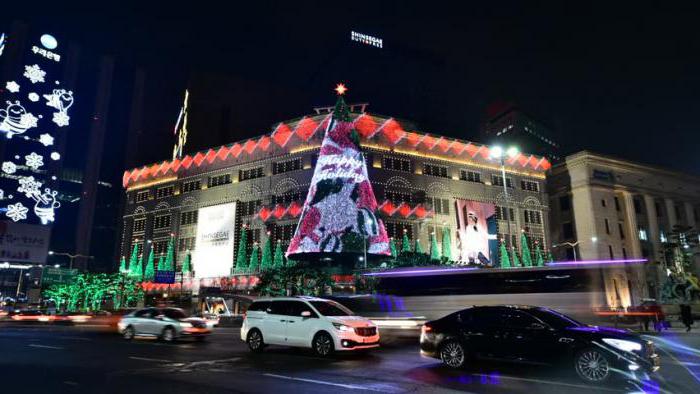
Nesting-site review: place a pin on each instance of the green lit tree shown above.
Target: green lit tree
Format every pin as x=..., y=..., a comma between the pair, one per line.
x=526, y=256
x=254, y=262
x=122, y=264
x=550, y=258
x=446, y=245
x=241, y=259
x=150, y=273
x=405, y=243
x=136, y=270
x=434, y=249
x=392, y=248
x=161, y=263
x=539, y=261
x=278, y=261
x=134, y=259
x=170, y=255
x=418, y=249
x=266, y=258
x=503, y=252
x=514, y=255
x=187, y=264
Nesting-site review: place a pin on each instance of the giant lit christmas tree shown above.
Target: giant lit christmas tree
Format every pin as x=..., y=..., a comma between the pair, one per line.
x=339, y=212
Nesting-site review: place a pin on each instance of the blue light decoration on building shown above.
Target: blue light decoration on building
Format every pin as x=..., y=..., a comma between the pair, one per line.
x=34, y=110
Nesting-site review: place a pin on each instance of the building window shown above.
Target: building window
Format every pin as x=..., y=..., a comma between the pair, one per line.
x=532, y=217
x=396, y=164
x=470, y=176
x=286, y=198
x=159, y=247
x=143, y=196
x=219, y=180
x=287, y=166
x=191, y=186
x=504, y=214
x=612, y=256
x=161, y=222
x=497, y=180
x=396, y=230
x=564, y=203
x=189, y=217
x=249, y=208
x=617, y=204
x=622, y=233
x=251, y=173
x=166, y=191
x=435, y=170
x=607, y=226
x=530, y=186
x=253, y=238
x=185, y=244
x=440, y=205
x=567, y=230
x=643, y=234
x=659, y=210
x=637, y=206
x=139, y=225
x=510, y=241
x=397, y=197
x=284, y=233
x=602, y=202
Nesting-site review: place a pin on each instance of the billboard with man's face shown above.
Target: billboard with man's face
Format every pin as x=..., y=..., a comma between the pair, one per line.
x=476, y=231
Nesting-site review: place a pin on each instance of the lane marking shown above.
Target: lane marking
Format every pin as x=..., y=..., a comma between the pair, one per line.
x=156, y=360
x=45, y=346
x=323, y=382
x=551, y=382
x=77, y=338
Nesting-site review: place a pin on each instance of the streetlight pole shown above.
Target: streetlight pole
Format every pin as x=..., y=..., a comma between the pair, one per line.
x=573, y=245
x=498, y=153
x=70, y=256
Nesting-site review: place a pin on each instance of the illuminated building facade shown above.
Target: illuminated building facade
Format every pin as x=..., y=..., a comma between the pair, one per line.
x=419, y=180
x=618, y=209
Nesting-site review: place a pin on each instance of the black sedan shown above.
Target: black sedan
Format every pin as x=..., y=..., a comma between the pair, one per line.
x=536, y=335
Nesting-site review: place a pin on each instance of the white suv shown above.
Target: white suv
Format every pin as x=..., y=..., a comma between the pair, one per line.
x=323, y=325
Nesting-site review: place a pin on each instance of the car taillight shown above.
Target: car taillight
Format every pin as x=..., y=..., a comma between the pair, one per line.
x=426, y=328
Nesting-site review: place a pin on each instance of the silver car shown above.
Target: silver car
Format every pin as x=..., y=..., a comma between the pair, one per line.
x=167, y=324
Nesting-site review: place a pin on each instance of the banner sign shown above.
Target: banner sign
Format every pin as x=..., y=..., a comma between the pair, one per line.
x=57, y=276
x=26, y=243
x=213, y=253
x=167, y=277
x=475, y=229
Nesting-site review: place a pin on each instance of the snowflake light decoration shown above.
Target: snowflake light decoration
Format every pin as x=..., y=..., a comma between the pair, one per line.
x=61, y=119
x=12, y=87
x=34, y=73
x=9, y=167
x=29, y=186
x=33, y=97
x=34, y=160
x=17, y=212
x=46, y=139
x=55, y=156
x=29, y=119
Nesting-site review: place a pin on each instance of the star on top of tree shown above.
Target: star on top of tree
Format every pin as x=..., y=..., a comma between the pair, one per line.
x=340, y=89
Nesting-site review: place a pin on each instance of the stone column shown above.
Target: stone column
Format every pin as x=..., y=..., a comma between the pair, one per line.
x=652, y=219
x=671, y=213
x=689, y=214
x=632, y=227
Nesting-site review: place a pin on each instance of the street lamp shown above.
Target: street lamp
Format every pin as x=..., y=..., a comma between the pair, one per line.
x=70, y=256
x=573, y=245
x=498, y=153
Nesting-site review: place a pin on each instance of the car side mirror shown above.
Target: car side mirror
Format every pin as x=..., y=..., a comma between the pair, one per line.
x=306, y=314
x=537, y=326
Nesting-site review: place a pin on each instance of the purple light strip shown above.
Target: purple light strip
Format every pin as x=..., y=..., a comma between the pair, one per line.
x=597, y=262
x=427, y=271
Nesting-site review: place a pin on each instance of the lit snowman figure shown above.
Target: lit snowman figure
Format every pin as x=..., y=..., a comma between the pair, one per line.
x=14, y=119
x=45, y=206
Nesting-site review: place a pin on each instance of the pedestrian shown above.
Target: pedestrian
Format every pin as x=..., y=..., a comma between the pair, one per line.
x=686, y=316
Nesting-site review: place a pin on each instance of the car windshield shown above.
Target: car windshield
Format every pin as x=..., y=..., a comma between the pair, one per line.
x=554, y=319
x=176, y=314
x=330, y=308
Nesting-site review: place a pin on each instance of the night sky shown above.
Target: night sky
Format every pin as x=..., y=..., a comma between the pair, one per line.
x=620, y=79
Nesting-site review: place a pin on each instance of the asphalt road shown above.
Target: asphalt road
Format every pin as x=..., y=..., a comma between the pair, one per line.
x=58, y=359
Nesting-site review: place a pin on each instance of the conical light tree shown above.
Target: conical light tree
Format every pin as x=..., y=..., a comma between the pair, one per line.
x=161, y=263
x=150, y=273
x=550, y=258
x=503, y=252
x=339, y=211
x=434, y=249
x=122, y=265
x=187, y=263
x=133, y=260
x=405, y=243
x=137, y=269
x=170, y=255
x=418, y=248
x=526, y=256
x=446, y=245
x=392, y=247
x=278, y=261
x=254, y=263
x=539, y=261
x=266, y=258
x=514, y=255
x=241, y=260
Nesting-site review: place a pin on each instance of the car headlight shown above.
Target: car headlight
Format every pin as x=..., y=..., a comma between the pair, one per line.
x=628, y=346
x=186, y=325
x=342, y=327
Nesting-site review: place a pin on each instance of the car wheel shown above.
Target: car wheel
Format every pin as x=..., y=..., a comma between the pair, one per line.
x=129, y=333
x=323, y=344
x=255, y=341
x=452, y=354
x=168, y=334
x=592, y=366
